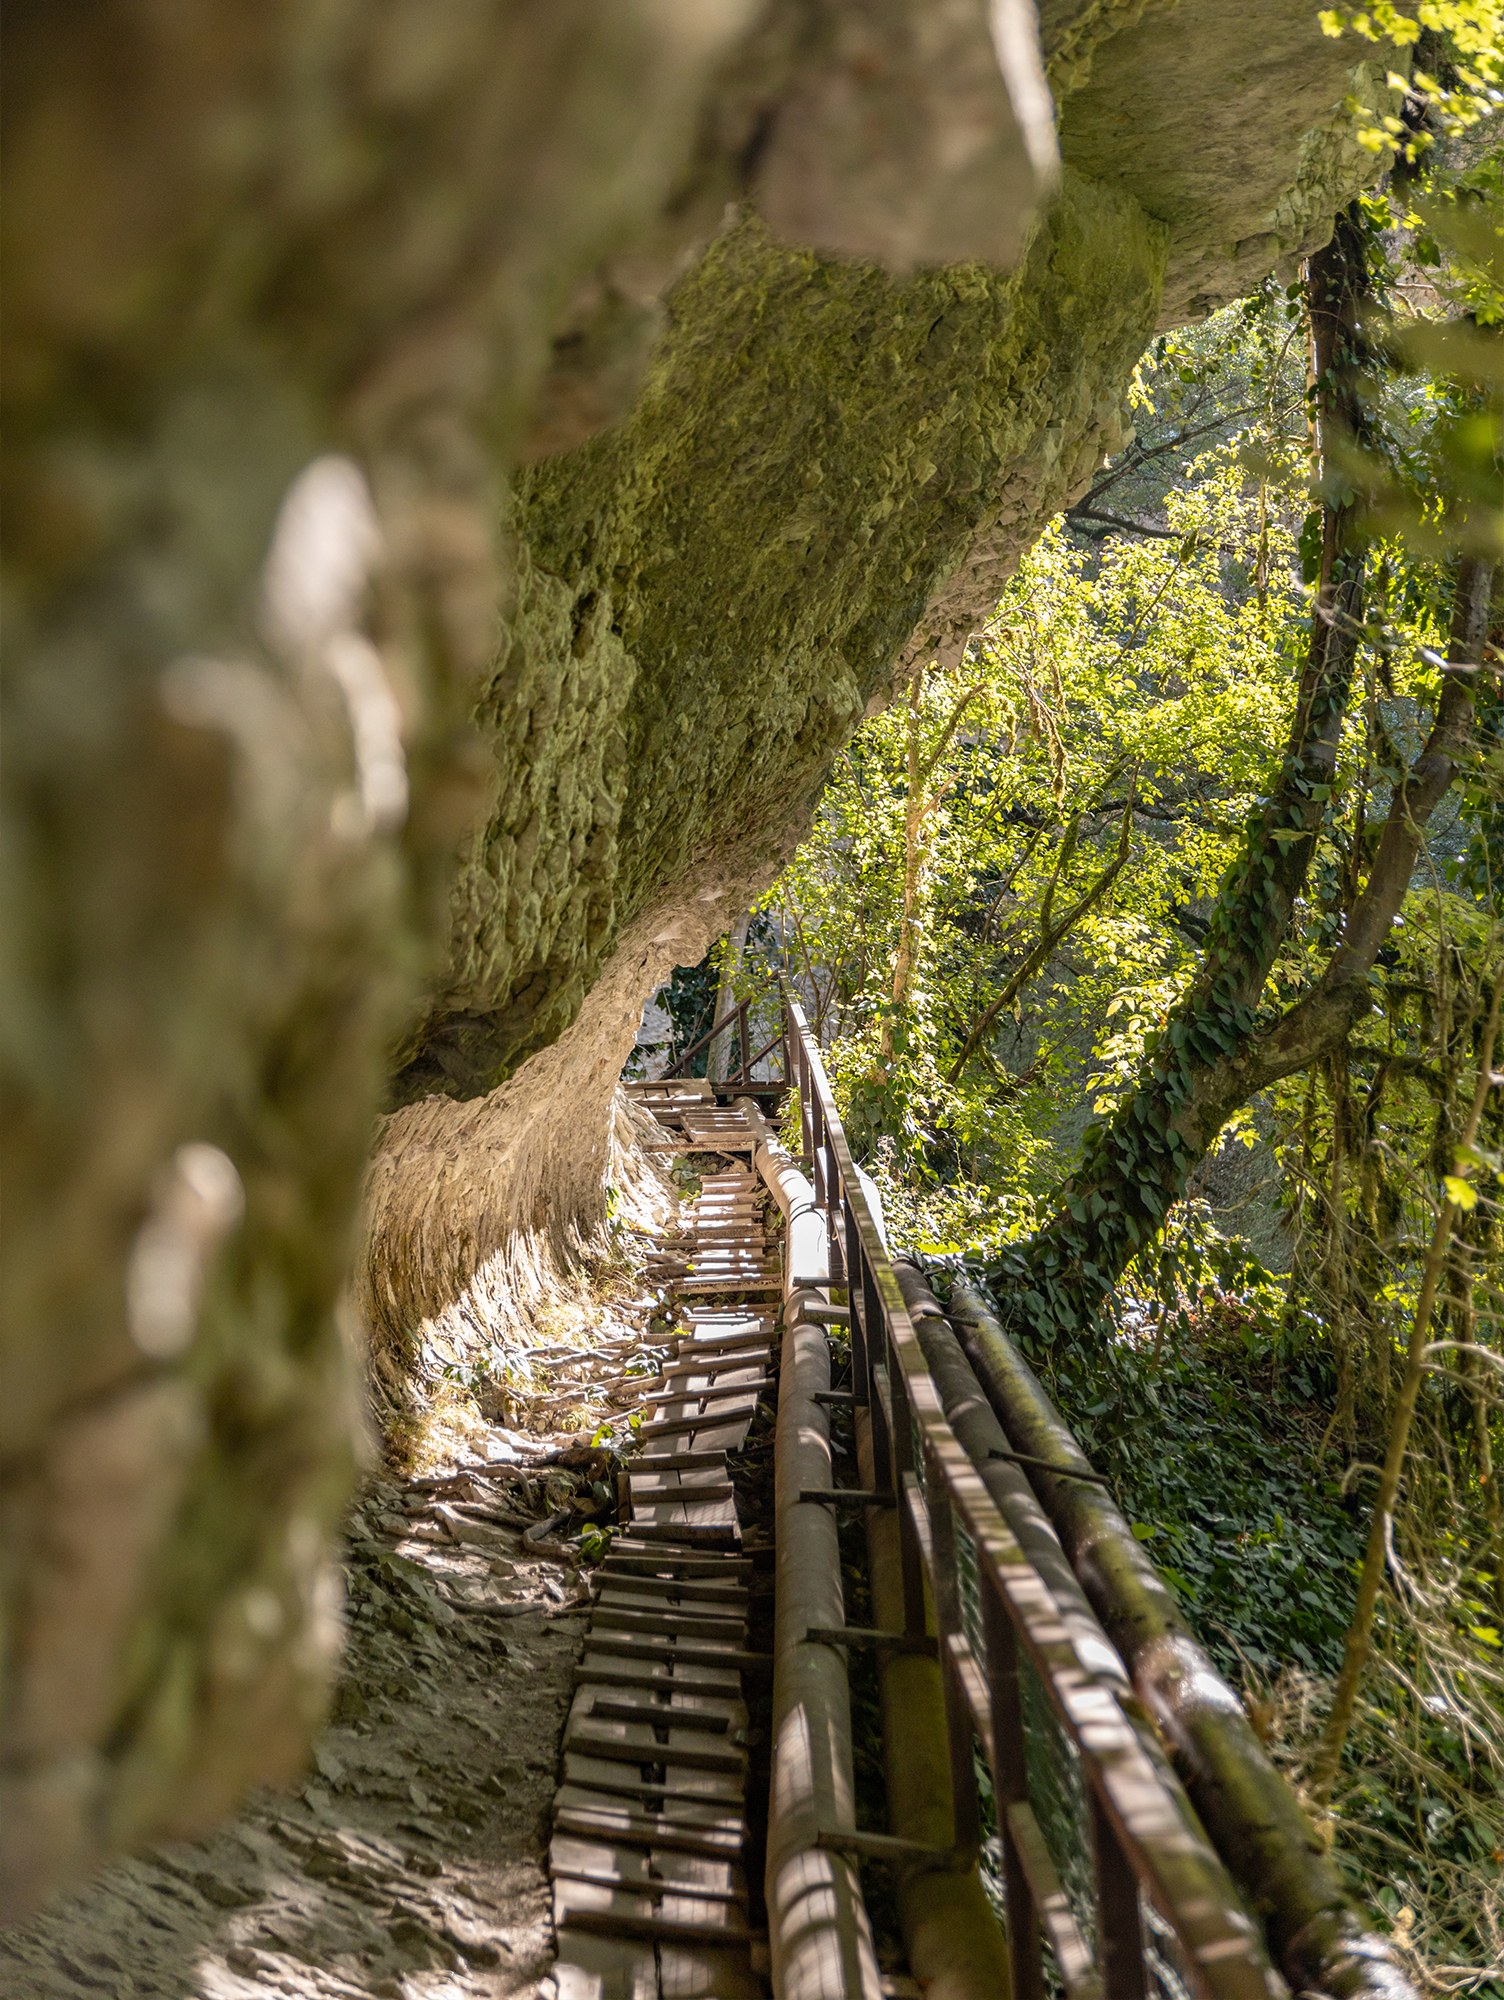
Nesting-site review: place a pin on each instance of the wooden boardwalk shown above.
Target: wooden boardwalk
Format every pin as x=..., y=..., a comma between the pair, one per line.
x=648, y=1855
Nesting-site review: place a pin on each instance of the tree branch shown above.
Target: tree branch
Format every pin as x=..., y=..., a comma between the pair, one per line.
x=1049, y=938
x=1084, y=513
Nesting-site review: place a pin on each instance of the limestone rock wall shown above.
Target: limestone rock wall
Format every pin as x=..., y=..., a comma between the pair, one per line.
x=282, y=284
x=309, y=710
x=828, y=476
x=710, y=595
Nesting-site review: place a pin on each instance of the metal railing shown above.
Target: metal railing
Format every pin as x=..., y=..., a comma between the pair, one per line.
x=1147, y=1848
x=738, y=1018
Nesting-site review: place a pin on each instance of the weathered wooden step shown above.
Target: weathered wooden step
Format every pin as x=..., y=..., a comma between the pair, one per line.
x=607, y=1671
x=684, y=1653
x=691, y=1829
x=613, y=1617
x=638, y=1556
x=711, y=1423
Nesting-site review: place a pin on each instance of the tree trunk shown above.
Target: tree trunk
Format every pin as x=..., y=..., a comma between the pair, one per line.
x=718, y=1065
x=1212, y=1057
x=1360, y=1631
x=914, y=816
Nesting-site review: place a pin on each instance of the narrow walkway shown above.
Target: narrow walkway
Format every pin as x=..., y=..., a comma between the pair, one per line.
x=651, y=1822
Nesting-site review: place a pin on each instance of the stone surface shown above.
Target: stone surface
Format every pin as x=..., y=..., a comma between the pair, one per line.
x=287, y=297
x=282, y=291
x=411, y=1859
x=709, y=596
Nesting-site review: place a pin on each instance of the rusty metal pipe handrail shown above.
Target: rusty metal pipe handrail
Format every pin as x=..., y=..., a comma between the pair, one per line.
x=955, y=1946
x=1319, y=1937
x=1143, y=1839
x=819, y=1931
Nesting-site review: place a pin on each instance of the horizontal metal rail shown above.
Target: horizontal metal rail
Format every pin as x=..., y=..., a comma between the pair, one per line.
x=1146, y=1841
x=738, y=1018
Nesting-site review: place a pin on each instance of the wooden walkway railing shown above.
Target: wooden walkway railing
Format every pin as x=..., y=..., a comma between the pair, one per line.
x=1148, y=1848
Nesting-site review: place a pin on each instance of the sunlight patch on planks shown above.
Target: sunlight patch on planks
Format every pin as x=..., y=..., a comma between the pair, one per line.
x=650, y=1823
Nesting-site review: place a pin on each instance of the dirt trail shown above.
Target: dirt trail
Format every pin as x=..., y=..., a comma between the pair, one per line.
x=410, y=1864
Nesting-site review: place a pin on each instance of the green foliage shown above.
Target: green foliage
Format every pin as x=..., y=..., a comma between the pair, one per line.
x=1206, y=1411
x=1462, y=39
x=1136, y=682
x=1063, y=891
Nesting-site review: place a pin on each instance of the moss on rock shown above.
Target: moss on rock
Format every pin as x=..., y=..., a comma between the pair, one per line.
x=710, y=596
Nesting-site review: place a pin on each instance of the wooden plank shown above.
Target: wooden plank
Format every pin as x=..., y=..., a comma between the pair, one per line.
x=675, y=1461
x=702, y=1285
x=699, y=1625
x=642, y=1884
x=615, y=1673
x=628, y=1584
x=734, y=1262
x=698, y=1653
x=611, y=1784
x=599, y=1968
x=700, y=1756
x=726, y=1394
x=624, y=1826
x=730, y=1344
x=718, y=1878
x=627, y=1554
x=698, y=1600
x=619, y=1923
x=695, y=1972
x=661, y=1704
x=659, y=1489
x=636, y=1546
x=693, y=1809
x=665, y=1715
x=698, y=1516
x=683, y=1426
x=719, y=1531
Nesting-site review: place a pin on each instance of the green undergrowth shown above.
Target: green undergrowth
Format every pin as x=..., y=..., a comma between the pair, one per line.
x=1213, y=1417
x=1211, y=1434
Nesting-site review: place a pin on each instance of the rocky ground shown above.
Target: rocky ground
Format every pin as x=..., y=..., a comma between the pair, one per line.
x=411, y=1864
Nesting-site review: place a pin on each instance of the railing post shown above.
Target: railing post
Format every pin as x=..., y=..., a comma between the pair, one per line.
x=1010, y=1786
x=947, y=1593
x=861, y=1286
x=835, y=1219
x=861, y=1371
x=1120, y=1925
x=745, y=1040
x=904, y=1474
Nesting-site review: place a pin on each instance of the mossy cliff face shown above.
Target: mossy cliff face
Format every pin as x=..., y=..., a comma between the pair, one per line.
x=707, y=601
x=288, y=294
x=709, y=597
x=829, y=474
x=827, y=478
